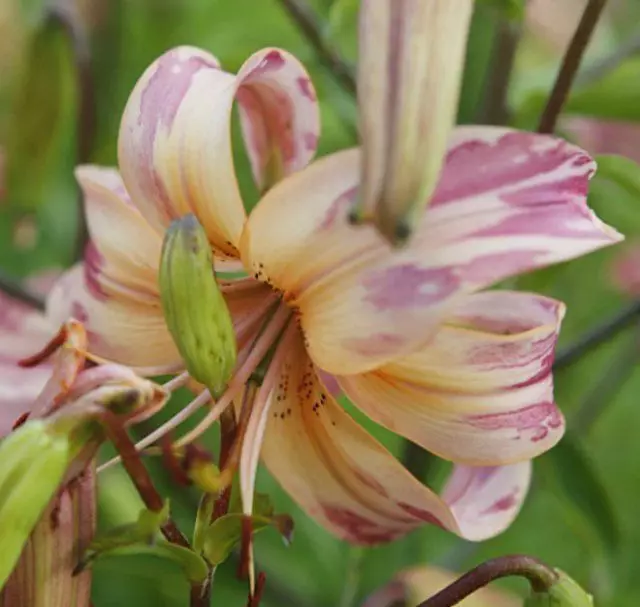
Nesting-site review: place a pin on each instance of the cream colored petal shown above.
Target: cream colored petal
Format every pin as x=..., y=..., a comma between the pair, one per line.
x=122, y=257
x=121, y=330
x=175, y=146
x=354, y=487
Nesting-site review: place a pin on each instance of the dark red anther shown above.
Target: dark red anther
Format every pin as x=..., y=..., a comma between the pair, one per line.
x=21, y=420
x=57, y=341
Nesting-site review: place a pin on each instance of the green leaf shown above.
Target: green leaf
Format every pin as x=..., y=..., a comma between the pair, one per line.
x=509, y=9
x=193, y=566
x=143, y=531
x=225, y=533
x=614, y=96
x=579, y=486
x=478, y=59
x=38, y=128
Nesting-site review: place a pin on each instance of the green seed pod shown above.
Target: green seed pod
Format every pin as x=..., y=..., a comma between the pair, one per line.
x=194, y=308
x=564, y=593
x=32, y=464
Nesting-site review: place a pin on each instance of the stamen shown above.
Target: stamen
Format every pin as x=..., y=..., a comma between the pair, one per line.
x=257, y=312
x=260, y=348
x=165, y=428
x=258, y=421
x=176, y=382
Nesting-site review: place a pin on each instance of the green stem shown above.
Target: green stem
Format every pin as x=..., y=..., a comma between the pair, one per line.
x=352, y=577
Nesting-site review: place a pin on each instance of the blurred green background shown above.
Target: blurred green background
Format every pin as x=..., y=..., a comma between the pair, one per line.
x=582, y=514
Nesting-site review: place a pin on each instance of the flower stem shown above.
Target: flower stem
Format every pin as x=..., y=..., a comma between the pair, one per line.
x=540, y=576
x=307, y=22
x=352, y=577
x=138, y=474
x=496, y=110
x=597, y=335
x=570, y=65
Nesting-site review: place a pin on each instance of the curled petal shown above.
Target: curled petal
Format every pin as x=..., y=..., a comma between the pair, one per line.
x=123, y=331
x=507, y=202
x=175, y=146
x=354, y=487
x=481, y=391
x=123, y=256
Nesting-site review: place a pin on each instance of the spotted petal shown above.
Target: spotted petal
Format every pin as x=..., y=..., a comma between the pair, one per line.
x=481, y=391
x=354, y=487
x=175, y=146
x=507, y=202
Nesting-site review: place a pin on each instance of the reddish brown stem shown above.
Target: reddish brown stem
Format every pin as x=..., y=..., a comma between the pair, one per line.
x=540, y=576
x=570, y=65
x=228, y=431
x=138, y=474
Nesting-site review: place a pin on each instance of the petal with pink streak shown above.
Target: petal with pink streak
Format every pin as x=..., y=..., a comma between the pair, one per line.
x=122, y=330
x=354, y=487
x=481, y=391
x=23, y=331
x=508, y=202
x=175, y=145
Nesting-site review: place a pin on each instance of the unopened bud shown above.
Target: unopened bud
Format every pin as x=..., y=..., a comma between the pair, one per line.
x=44, y=575
x=194, y=308
x=563, y=593
x=411, y=58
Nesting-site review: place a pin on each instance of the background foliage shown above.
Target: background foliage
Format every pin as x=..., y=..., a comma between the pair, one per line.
x=582, y=512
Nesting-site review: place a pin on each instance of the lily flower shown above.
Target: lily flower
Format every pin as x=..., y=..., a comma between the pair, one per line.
x=323, y=307
x=47, y=517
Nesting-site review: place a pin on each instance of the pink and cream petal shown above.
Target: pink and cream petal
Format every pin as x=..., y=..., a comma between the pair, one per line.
x=123, y=331
x=494, y=340
x=175, y=144
x=122, y=257
x=483, y=429
x=481, y=390
x=487, y=497
x=508, y=202
x=354, y=487
x=23, y=332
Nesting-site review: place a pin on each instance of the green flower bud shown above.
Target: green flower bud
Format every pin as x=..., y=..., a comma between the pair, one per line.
x=563, y=593
x=194, y=308
x=33, y=461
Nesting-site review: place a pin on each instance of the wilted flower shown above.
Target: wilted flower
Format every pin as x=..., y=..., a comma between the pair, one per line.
x=411, y=59
x=331, y=307
x=47, y=482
